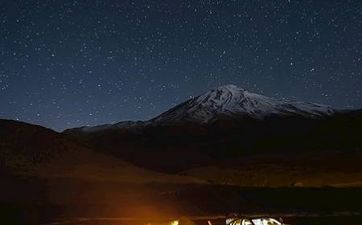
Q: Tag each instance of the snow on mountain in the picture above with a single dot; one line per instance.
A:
(232, 101)
(120, 125)
(225, 101)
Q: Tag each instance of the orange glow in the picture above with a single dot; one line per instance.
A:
(175, 222)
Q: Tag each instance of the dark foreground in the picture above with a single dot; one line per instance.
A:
(37, 201)
(293, 220)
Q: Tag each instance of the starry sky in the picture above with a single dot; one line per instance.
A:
(71, 63)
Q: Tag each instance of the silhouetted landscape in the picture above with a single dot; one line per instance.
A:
(180, 112)
(279, 164)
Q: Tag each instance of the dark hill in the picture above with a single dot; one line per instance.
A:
(180, 146)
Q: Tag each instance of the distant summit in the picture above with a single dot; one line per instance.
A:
(227, 101)
(226, 126)
(233, 101)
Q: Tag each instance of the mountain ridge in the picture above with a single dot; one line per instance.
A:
(226, 123)
(227, 101)
(232, 101)
(34, 151)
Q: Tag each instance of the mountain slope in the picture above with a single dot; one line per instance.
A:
(226, 123)
(232, 101)
(225, 102)
(30, 150)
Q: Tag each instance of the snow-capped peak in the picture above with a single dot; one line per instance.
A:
(225, 101)
(233, 101)
(222, 96)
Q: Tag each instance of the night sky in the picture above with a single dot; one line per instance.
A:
(70, 63)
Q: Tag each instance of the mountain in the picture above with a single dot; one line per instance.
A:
(225, 128)
(225, 124)
(204, 168)
(232, 101)
(117, 126)
(224, 102)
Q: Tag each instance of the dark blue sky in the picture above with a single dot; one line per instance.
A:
(72, 63)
